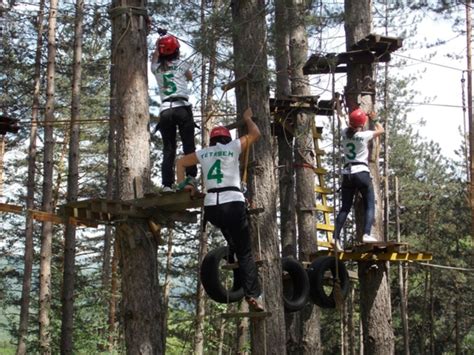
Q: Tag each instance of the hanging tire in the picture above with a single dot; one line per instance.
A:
(322, 278)
(214, 279)
(295, 285)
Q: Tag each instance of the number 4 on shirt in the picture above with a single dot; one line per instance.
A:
(215, 172)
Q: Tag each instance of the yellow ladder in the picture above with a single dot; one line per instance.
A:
(323, 225)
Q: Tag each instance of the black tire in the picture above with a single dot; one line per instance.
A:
(296, 286)
(319, 285)
(212, 280)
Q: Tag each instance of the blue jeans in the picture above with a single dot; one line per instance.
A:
(351, 183)
(181, 117)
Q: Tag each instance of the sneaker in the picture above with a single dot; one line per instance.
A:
(192, 181)
(166, 189)
(255, 303)
(366, 238)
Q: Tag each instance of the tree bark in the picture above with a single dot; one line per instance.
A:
(67, 344)
(286, 178)
(30, 194)
(48, 166)
(373, 276)
(285, 138)
(114, 285)
(206, 124)
(310, 341)
(250, 58)
(401, 280)
(140, 288)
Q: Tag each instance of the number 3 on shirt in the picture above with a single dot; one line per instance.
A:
(215, 172)
(169, 84)
(352, 151)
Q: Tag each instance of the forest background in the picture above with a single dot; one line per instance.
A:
(432, 182)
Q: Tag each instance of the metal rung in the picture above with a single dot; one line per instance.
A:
(320, 152)
(325, 227)
(320, 171)
(322, 190)
(324, 208)
(324, 244)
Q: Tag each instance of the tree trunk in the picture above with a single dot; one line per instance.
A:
(110, 261)
(286, 179)
(310, 341)
(113, 296)
(48, 166)
(250, 57)
(401, 280)
(167, 284)
(373, 276)
(206, 124)
(140, 287)
(285, 138)
(30, 193)
(67, 344)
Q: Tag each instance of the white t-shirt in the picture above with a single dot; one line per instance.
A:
(356, 150)
(220, 168)
(172, 83)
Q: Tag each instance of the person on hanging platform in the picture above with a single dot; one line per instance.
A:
(224, 204)
(356, 174)
(172, 76)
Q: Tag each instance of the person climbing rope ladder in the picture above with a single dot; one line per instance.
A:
(224, 204)
(172, 75)
(356, 173)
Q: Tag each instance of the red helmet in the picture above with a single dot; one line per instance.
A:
(220, 131)
(167, 45)
(357, 118)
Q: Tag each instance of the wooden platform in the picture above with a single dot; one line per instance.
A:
(160, 208)
(371, 49)
(387, 251)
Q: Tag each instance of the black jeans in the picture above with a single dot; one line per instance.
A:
(181, 117)
(351, 183)
(232, 220)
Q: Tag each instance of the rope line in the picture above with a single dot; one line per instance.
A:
(455, 268)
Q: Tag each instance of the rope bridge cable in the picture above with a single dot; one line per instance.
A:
(454, 268)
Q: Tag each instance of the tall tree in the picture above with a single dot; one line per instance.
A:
(373, 276)
(69, 269)
(48, 166)
(30, 193)
(310, 342)
(285, 140)
(250, 60)
(138, 249)
(284, 136)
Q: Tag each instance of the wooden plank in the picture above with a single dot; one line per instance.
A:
(170, 201)
(322, 190)
(5, 207)
(323, 208)
(379, 43)
(395, 256)
(155, 229)
(379, 247)
(45, 216)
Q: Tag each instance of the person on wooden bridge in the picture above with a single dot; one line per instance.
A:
(172, 76)
(356, 174)
(224, 204)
